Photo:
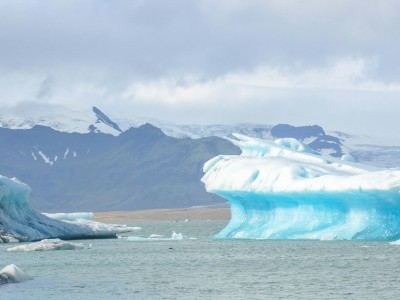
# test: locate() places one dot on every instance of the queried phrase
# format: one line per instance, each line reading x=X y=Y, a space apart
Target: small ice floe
x=47 y=245
x=12 y=274
x=85 y=219
x=396 y=243
x=156 y=237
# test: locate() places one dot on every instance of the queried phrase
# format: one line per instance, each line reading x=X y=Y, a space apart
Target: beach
x=201 y=213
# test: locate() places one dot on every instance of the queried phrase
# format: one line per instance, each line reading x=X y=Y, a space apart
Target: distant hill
x=142 y=168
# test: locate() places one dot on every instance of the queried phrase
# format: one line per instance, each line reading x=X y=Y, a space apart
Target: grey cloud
x=155 y=38
x=89 y=52
x=45 y=89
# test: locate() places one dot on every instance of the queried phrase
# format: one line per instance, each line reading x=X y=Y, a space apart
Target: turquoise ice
x=285 y=190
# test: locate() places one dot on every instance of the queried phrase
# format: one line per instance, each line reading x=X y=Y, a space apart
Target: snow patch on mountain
x=65 y=120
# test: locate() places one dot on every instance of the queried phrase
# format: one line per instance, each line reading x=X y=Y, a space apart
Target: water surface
x=204 y=268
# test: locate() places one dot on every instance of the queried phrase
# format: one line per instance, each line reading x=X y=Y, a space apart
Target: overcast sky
x=334 y=63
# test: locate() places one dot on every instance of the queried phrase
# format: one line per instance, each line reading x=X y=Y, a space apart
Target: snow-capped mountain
x=77 y=160
x=365 y=148
x=63 y=120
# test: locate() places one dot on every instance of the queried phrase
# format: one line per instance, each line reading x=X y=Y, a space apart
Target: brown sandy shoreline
x=164 y=215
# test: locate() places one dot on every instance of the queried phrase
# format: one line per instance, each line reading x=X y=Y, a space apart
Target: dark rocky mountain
x=142 y=168
x=314 y=136
x=103 y=118
x=297 y=132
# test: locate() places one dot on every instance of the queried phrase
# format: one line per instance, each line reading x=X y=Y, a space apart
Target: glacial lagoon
x=200 y=267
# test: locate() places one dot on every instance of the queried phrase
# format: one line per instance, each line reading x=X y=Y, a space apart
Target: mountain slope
x=141 y=168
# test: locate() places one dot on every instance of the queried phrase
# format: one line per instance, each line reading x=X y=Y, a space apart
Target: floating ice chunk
x=20 y=222
x=155 y=236
x=85 y=219
x=174 y=237
x=46 y=245
x=284 y=190
x=76 y=216
x=12 y=274
x=100 y=229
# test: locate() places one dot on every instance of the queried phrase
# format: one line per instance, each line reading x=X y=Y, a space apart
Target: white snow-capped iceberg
x=12 y=274
x=47 y=245
x=285 y=190
x=20 y=222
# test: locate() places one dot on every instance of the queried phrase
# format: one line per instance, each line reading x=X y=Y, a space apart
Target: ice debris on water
x=13 y=274
x=155 y=237
x=284 y=190
x=47 y=245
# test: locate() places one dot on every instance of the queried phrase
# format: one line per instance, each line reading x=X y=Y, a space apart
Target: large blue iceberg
x=284 y=190
x=19 y=222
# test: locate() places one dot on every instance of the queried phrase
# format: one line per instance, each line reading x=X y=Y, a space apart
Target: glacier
x=282 y=189
x=19 y=222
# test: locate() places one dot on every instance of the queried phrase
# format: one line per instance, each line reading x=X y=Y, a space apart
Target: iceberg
x=284 y=190
x=12 y=274
x=19 y=222
x=47 y=245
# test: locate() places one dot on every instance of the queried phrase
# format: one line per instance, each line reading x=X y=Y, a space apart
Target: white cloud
x=350 y=74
